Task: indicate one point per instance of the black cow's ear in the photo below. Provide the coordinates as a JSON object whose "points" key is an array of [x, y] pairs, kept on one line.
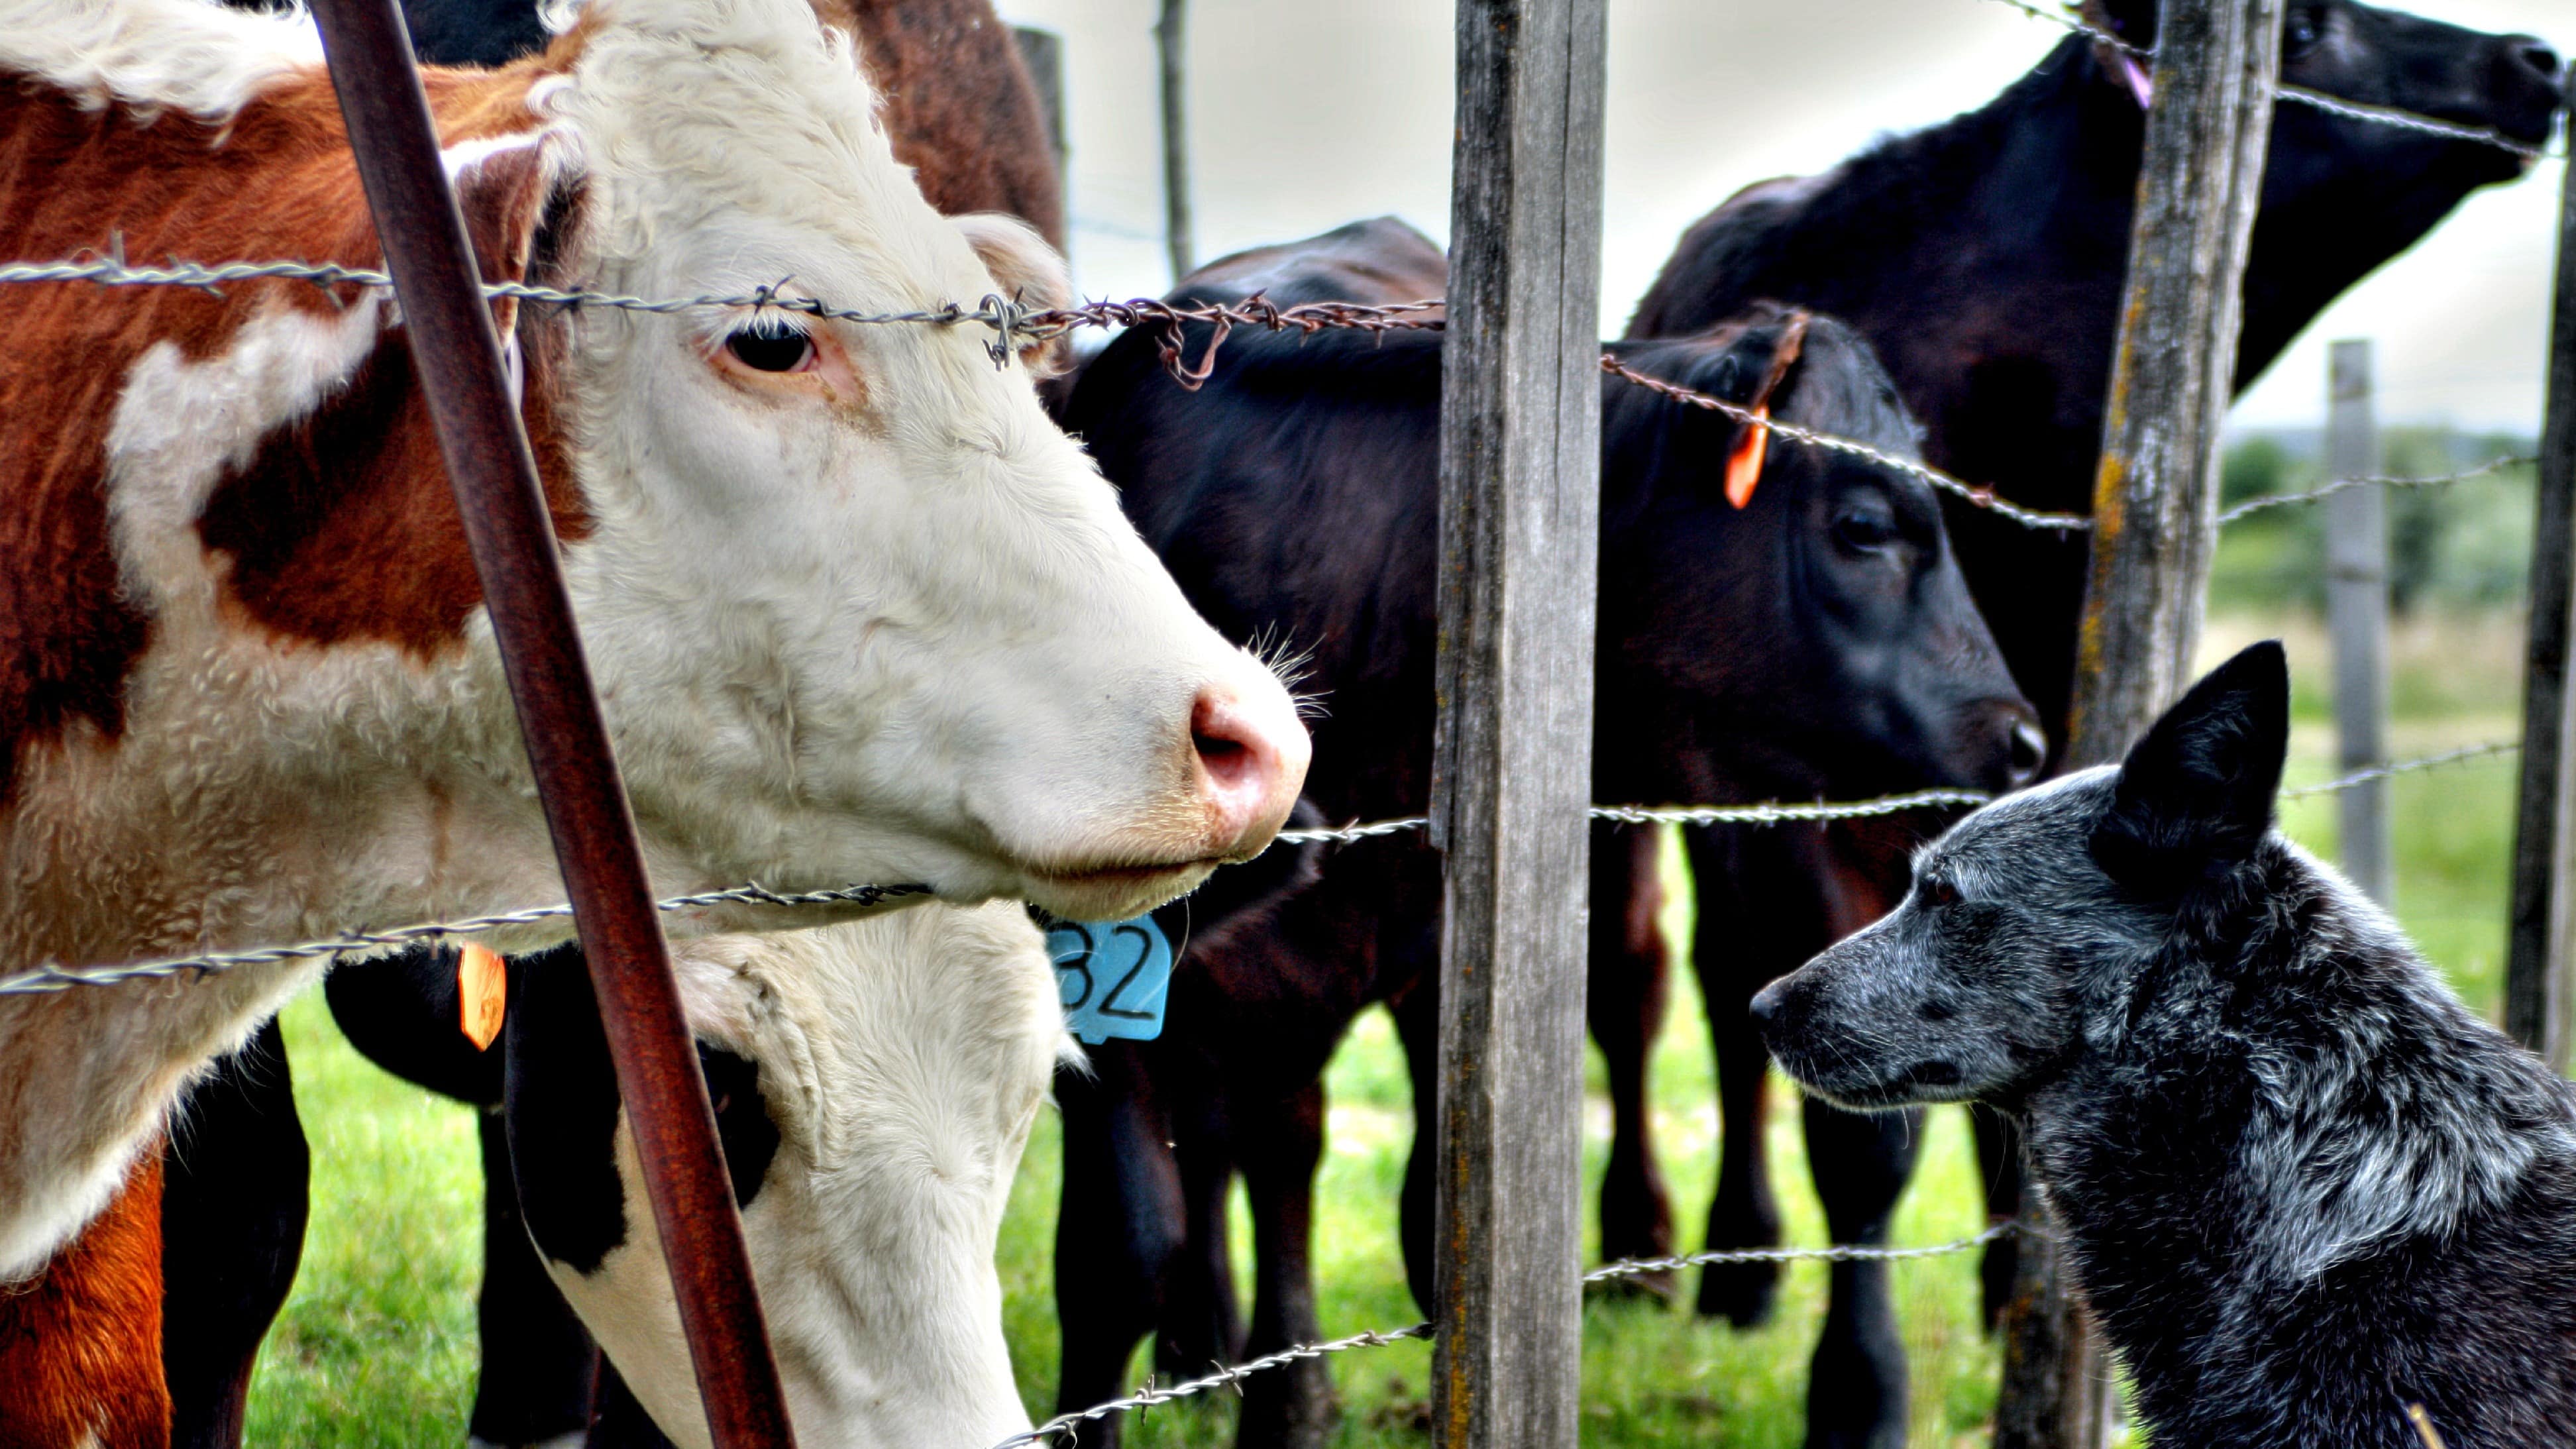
{"points": [[2195, 795], [2134, 21]]}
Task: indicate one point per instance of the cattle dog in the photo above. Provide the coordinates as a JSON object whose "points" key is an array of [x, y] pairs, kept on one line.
{"points": [[2310, 1197]]}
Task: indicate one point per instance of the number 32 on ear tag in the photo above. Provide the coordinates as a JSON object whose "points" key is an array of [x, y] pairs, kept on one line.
{"points": [[1112, 977]]}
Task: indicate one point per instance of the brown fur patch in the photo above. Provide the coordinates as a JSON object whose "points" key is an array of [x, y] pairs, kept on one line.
{"points": [[80, 1345], [274, 182], [959, 106]]}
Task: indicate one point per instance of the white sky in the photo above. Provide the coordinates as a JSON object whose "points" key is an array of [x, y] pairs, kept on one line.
{"points": [[1309, 113]]}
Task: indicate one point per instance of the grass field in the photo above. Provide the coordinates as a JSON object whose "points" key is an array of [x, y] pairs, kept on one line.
{"points": [[376, 1346]]}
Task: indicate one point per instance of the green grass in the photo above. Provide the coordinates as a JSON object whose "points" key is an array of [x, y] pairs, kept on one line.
{"points": [[376, 1346]]}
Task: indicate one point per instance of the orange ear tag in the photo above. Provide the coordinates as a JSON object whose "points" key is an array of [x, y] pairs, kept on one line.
{"points": [[482, 991], [1744, 465]]}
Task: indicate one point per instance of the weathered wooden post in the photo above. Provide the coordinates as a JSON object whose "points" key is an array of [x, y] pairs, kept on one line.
{"points": [[2155, 521], [2542, 937], [2357, 616], [512, 539], [1171, 43], [1519, 499]]}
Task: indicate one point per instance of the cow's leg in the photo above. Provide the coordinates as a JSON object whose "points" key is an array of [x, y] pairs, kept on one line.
{"points": [[80, 1343], [616, 1420], [533, 1385], [1732, 872], [1630, 981], [1200, 1326], [1999, 1166], [1120, 1223], [1857, 1382], [1417, 1024], [236, 1179], [1294, 1407]]}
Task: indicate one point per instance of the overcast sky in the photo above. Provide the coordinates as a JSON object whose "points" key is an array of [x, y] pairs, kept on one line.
{"points": [[1309, 113]]}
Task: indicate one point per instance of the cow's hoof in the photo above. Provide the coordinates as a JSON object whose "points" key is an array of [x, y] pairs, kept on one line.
{"points": [[1293, 1408], [1741, 1293]]}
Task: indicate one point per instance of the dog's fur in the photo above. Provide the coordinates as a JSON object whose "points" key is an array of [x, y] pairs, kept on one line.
{"points": [[2303, 1187]]}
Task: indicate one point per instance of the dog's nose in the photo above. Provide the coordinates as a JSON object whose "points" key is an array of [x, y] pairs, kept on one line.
{"points": [[1766, 1003]]}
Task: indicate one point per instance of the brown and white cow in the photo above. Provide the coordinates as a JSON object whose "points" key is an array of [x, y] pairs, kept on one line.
{"points": [[856, 609]]}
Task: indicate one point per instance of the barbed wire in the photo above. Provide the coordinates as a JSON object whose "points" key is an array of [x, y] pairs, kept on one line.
{"points": [[1152, 1395], [1013, 324], [1980, 496], [2302, 95], [2342, 485], [2402, 767], [55, 977], [58, 978]]}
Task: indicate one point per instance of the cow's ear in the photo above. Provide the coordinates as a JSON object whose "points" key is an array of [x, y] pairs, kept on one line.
{"points": [[516, 192], [1027, 271], [2195, 795]]}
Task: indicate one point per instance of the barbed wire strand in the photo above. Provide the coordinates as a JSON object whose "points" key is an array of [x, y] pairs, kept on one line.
{"points": [[2301, 95], [58, 978], [1151, 1395], [2402, 767], [2342, 485]]}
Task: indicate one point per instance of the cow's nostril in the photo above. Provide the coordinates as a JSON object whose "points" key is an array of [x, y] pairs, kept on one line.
{"points": [[2536, 57], [1251, 758], [2027, 754]]}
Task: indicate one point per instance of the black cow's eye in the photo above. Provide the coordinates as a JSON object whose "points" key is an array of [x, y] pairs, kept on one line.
{"points": [[2302, 30], [770, 345], [1862, 529]]}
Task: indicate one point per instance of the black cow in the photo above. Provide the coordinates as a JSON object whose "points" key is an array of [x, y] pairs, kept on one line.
{"points": [[1816, 641], [1984, 259]]}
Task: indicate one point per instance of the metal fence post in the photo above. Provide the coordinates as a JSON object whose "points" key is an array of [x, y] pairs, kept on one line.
{"points": [[515, 555], [1171, 43], [1519, 502], [2155, 520], [2539, 945], [2357, 617]]}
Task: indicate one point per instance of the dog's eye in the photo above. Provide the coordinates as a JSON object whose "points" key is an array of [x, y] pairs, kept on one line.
{"points": [[1933, 891]]}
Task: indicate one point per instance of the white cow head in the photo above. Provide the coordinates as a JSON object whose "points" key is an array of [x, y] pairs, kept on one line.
{"points": [[859, 610]]}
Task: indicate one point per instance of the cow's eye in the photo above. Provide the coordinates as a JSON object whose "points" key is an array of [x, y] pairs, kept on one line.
{"points": [[771, 345], [1933, 891], [2303, 29], [1863, 529]]}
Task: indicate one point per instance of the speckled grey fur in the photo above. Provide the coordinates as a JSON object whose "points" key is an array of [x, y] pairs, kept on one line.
{"points": [[2302, 1186]]}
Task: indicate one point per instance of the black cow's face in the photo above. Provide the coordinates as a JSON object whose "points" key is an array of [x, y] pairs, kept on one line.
{"points": [[1818, 638], [2510, 84]]}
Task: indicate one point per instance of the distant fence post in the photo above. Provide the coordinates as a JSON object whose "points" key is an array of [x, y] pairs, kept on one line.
{"points": [[2154, 526], [2357, 616], [2536, 978], [1042, 51], [1520, 456], [1171, 43]]}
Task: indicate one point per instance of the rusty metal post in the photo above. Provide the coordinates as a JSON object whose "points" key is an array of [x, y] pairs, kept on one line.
{"points": [[506, 523]]}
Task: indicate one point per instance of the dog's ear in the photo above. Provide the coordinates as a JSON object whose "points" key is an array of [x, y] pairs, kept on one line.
{"points": [[2195, 795]]}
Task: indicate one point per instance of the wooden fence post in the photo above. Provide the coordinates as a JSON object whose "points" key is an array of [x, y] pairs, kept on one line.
{"points": [[2357, 617], [2536, 976], [1171, 43], [2155, 523], [1520, 422]]}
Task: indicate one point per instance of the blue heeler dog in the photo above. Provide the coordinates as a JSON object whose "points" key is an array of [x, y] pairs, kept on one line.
{"points": [[2303, 1187]]}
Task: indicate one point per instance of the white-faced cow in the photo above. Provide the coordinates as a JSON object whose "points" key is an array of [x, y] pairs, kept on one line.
{"points": [[856, 610]]}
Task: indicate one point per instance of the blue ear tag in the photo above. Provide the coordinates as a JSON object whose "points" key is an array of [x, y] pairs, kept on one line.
{"points": [[1112, 976]]}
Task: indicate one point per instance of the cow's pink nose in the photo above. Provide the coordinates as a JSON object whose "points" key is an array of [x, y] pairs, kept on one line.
{"points": [[1251, 763]]}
